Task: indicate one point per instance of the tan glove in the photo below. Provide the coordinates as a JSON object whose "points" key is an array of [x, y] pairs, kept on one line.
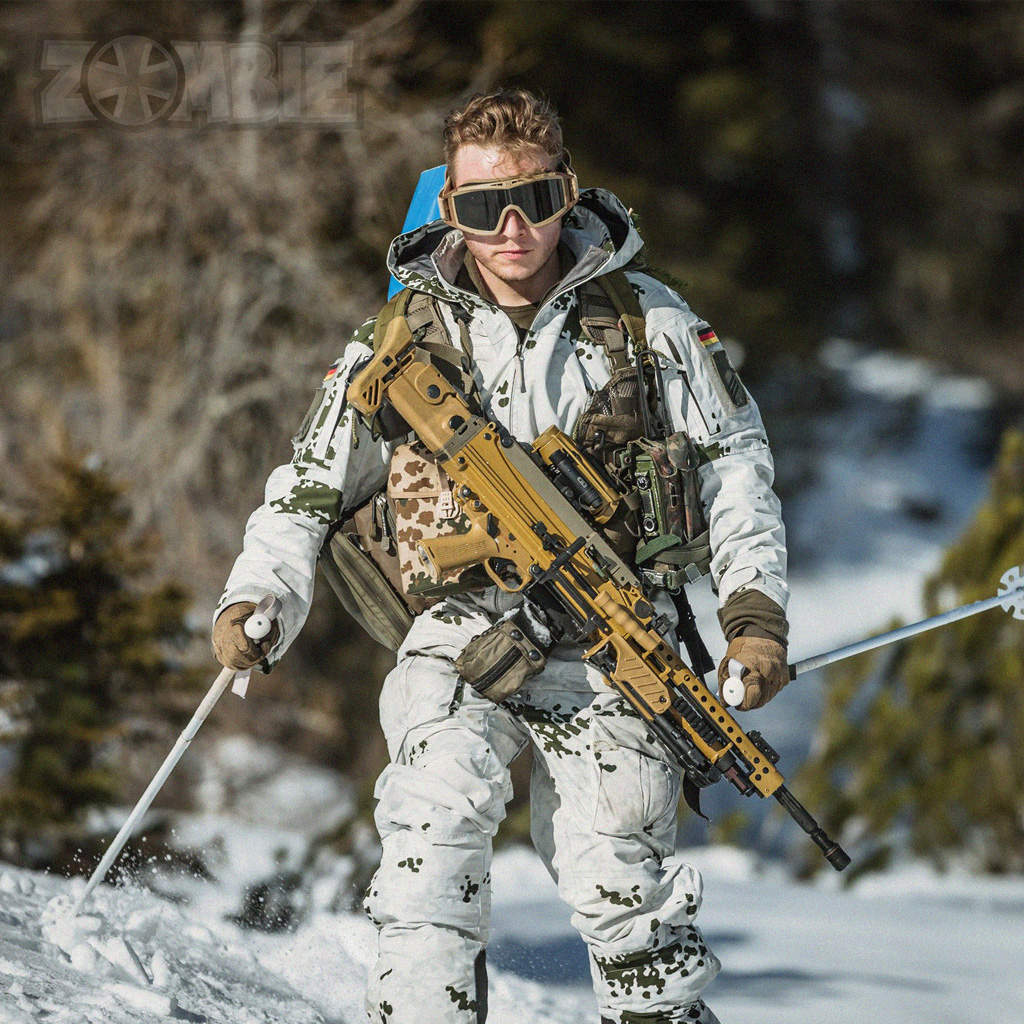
{"points": [[767, 671], [230, 644]]}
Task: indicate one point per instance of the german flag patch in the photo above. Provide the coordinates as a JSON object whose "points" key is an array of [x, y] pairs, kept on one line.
{"points": [[331, 372], [707, 335]]}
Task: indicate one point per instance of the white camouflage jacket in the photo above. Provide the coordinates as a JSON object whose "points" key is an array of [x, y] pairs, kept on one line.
{"points": [[546, 380]]}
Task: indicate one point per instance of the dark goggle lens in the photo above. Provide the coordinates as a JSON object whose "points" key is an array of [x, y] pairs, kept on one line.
{"points": [[481, 210]]}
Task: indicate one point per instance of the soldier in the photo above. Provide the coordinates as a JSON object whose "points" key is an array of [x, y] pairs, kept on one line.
{"points": [[504, 274]]}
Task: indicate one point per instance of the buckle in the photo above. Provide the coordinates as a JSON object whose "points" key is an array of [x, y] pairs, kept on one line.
{"points": [[446, 504], [672, 579]]}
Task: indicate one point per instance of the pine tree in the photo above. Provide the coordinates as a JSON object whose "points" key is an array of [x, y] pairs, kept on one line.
{"points": [[81, 636], [922, 745]]}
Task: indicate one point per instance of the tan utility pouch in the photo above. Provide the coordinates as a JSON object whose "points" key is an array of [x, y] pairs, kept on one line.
{"points": [[499, 661]]}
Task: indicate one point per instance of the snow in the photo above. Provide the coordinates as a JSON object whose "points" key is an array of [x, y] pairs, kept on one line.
{"points": [[813, 952], [907, 944], [47, 974], [921, 952]]}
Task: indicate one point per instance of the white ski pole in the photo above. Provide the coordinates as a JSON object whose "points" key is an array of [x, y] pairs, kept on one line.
{"points": [[1010, 597], [257, 626]]}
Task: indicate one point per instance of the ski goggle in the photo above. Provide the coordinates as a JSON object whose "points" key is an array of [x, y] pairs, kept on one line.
{"points": [[480, 206]]}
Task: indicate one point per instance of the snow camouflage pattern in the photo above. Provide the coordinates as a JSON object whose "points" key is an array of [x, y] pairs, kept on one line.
{"points": [[603, 812], [431, 893]]}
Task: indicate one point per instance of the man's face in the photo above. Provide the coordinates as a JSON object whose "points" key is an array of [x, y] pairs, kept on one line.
{"points": [[520, 250]]}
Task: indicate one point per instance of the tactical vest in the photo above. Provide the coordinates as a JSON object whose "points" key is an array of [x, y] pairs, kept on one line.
{"points": [[369, 557]]}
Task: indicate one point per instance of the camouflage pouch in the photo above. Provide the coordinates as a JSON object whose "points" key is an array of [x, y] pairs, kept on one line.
{"points": [[422, 503], [604, 430], [498, 661], [676, 545]]}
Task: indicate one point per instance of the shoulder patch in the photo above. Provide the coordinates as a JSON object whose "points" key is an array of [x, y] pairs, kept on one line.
{"points": [[706, 335], [724, 378], [729, 378], [301, 435]]}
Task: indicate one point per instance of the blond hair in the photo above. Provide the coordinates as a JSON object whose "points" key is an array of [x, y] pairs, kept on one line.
{"points": [[513, 120]]}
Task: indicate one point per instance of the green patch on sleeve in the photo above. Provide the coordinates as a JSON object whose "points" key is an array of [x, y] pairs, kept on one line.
{"points": [[315, 500]]}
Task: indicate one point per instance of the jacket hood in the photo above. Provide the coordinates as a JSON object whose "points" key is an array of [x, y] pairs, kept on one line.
{"points": [[597, 230]]}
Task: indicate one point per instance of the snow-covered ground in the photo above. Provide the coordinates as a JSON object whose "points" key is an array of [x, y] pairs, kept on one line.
{"points": [[909, 946], [132, 957], [896, 478]]}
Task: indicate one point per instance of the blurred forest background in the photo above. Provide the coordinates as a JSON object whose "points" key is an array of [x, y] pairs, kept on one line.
{"points": [[170, 298]]}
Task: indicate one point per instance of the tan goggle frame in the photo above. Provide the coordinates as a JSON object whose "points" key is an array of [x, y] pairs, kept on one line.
{"points": [[449, 215]]}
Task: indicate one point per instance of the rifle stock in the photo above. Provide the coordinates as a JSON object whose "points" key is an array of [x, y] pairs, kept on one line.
{"points": [[530, 531]]}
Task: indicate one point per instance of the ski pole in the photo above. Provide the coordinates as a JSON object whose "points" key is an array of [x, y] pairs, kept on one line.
{"points": [[1010, 596], [257, 626]]}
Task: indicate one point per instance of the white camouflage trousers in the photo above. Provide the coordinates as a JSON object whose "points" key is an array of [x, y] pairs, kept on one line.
{"points": [[603, 819]]}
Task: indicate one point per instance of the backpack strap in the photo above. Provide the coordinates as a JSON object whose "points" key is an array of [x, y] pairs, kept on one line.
{"points": [[600, 322], [425, 312], [423, 315], [395, 307], [609, 313], [627, 305]]}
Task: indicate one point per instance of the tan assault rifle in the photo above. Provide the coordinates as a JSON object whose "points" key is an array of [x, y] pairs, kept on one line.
{"points": [[535, 512]]}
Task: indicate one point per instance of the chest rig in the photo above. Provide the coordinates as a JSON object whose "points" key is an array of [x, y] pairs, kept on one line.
{"points": [[661, 528], [625, 430]]}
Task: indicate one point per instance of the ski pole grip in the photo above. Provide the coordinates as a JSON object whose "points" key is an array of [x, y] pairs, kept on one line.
{"points": [[733, 690], [257, 626]]}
